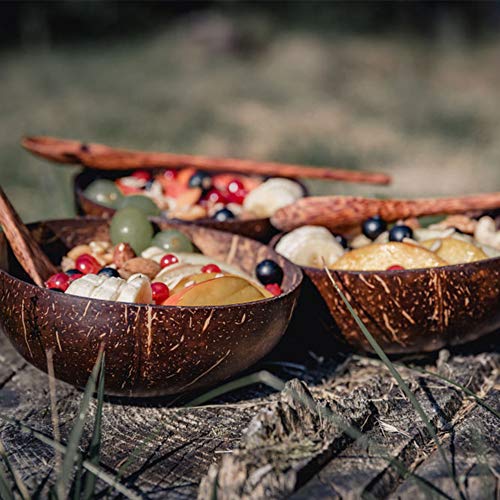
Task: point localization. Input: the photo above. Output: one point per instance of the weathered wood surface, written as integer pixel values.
(262, 444)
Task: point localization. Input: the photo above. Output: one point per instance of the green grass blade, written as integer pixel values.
(16, 478)
(75, 435)
(262, 377)
(402, 384)
(94, 451)
(94, 469)
(5, 488)
(76, 487)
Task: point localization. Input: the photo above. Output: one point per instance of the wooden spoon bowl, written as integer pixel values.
(257, 228)
(150, 350)
(411, 310)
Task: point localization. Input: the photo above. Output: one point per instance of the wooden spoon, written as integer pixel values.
(103, 157)
(344, 211)
(25, 247)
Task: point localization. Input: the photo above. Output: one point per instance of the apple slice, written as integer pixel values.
(380, 256)
(193, 279)
(455, 251)
(218, 292)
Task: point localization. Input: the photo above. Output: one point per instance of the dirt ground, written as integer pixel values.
(426, 112)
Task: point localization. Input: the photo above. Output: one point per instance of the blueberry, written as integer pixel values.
(110, 272)
(223, 215)
(201, 180)
(72, 272)
(269, 272)
(341, 240)
(399, 233)
(148, 184)
(374, 227)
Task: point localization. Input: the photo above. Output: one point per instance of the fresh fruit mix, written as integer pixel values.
(406, 245)
(189, 194)
(164, 268)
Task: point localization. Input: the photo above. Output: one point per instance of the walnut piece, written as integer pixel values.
(139, 265)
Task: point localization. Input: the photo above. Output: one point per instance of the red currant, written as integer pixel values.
(211, 268)
(160, 292)
(274, 288)
(214, 196)
(143, 175)
(59, 281)
(395, 267)
(237, 197)
(170, 174)
(168, 260)
(87, 264)
(235, 185)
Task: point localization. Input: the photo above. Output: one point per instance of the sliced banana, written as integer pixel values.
(270, 196)
(109, 289)
(137, 290)
(310, 246)
(84, 286)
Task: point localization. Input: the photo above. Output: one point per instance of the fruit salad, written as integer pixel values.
(138, 266)
(405, 245)
(189, 194)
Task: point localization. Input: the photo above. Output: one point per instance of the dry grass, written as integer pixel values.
(427, 113)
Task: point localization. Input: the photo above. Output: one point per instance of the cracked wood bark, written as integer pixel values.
(357, 468)
(399, 432)
(473, 447)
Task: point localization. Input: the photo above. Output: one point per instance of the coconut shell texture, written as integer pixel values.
(150, 350)
(257, 229)
(412, 310)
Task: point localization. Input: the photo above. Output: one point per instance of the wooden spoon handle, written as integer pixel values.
(25, 247)
(342, 211)
(102, 157)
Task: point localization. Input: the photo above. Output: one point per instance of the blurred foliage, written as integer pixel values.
(57, 21)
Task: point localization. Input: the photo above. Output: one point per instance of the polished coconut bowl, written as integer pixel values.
(411, 310)
(150, 350)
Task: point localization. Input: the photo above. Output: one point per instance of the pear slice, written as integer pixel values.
(219, 292)
(380, 256)
(455, 251)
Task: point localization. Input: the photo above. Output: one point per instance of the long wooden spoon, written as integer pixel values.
(25, 247)
(344, 211)
(103, 157)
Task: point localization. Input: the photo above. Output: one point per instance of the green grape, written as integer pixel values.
(172, 240)
(143, 203)
(130, 225)
(104, 192)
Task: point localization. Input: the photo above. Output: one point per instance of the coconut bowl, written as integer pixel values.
(413, 310)
(257, 228)
(150, 350)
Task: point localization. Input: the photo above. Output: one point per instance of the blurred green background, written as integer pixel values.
(406, 88)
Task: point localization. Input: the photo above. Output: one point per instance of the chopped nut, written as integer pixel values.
(122, 253)
(99, 247)
(67, 263)
(461, 222)
(139, 265)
